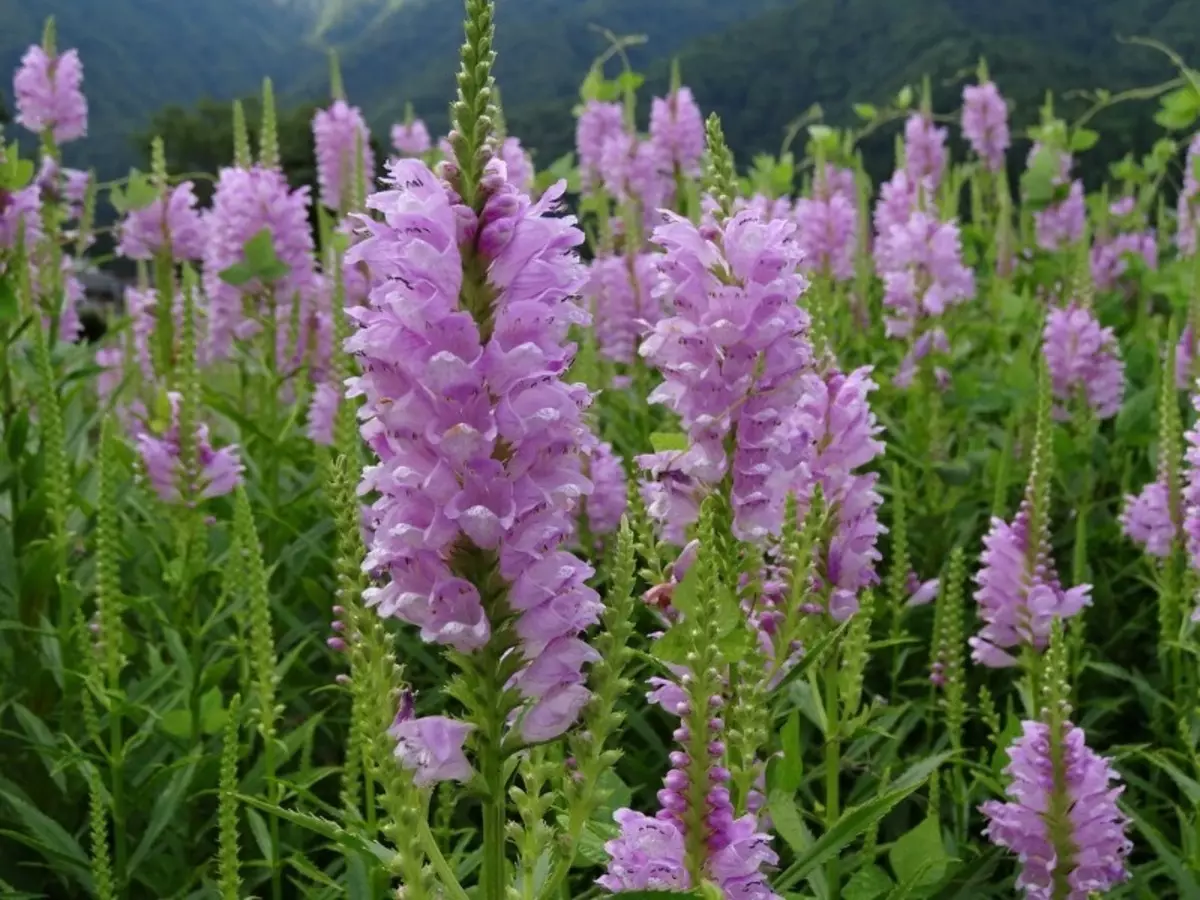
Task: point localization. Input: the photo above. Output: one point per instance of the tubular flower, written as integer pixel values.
(985, 123)
(634, 170)
(731, 356)
(245, 202)
(1185, 359)
(220, 471)
(1062, 822)
(479, 440)
(1018, 593)
(1083, 357)
(621, 296)
(677, 129)
(338, 134)
(170, 224)
(49, 94)
(836, 180)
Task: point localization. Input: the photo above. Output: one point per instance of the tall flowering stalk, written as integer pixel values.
(695, 839)
(343, 147)
(479, 444)
(1018, 591)
(1062, 821)
(985, 121)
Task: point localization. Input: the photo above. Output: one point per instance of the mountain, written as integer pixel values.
(762, 72)
(140, 55)
(544, 47)
(758, 63)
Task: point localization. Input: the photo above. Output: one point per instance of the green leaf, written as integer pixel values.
(867, 883)
(1084, 139)
(788, 822)
(45, 834)
(1179, 109)
(857, 819)
(9, 307)
(274, 271)
(259, 252)
(904, 99)
(140, 192)
(664, 441)
(790, 769)
(919, 858)
(212, 712)
(262, 837)
(166, 810)
(237, 274)
(629, 81)
(865, 111)
(1037, 183)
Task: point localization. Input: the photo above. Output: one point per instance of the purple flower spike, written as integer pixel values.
(1088, 843)
(49, 95)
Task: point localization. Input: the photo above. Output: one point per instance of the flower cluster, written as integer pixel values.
(1083, 357)
(924, 151)
(835, 417)
(1060, 224)
(621, 296)
(731, 356)
(170, 224)
(49, 96)
(1063, 818)
(1146, 519)
(677, 131)
(339, 134)
(219, 471)
(479, 440)
(827, 232)
(985, 123)
(245, 202)
(411, 138)
(1188, 203)
(1110, 261)
(1019, 594)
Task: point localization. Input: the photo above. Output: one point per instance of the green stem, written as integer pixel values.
(833, 761)
(440, 866)
(273, 820)
(116, 764)
(492, 770)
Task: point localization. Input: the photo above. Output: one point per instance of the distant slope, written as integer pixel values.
(544, 47)
(140, 55)
(760, 73)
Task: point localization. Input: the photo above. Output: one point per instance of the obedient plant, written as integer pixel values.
(414, 537)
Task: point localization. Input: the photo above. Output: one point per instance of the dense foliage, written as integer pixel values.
(756, 531)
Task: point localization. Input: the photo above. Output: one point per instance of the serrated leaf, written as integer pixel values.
(919, 858)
